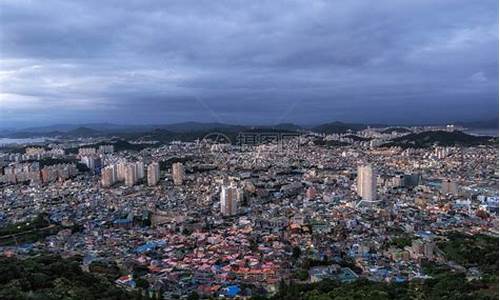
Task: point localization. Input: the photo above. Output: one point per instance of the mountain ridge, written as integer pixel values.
(98, 129)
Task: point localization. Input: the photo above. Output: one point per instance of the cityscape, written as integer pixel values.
(223, 150)
(237, 219)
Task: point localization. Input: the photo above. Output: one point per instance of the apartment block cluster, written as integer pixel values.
(37, 153)
(32, 172)
(102, 149)
(420, 249)
(130, 173)
(92, 157)
(127, 172)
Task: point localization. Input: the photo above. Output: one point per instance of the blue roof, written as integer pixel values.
(151, 245)
(131, 283)
(25, 247)
(347, 275)
(122, 221)
(233, 290)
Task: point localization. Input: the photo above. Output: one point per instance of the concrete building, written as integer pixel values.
(449, 187)
(230, 196)
(23, 172)
(34, 150)
(121, 171)
(153, 174)
(140, 169)
(429, 250)
(59, 171)
(109, 176)
(92, 162)
(131, 175)
(367, 183)
(106, 149)
(86, 151)
(178, 173)
(311, 193)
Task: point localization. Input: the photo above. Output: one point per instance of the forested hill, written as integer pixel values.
(52, 277)
(440, 138)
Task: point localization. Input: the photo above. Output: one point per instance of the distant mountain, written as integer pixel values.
(70, 127)
(161, 131)
(196, 126)
(439, 138)
(51, 128)
(285, 126)
(357, 138)
(338, 127)
(28, 134)
(99, 129)
(76, 132)
(83, 132)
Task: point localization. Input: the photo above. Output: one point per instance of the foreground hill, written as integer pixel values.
(439, 138)
(396, 129)
(52, 277)
(478, 251)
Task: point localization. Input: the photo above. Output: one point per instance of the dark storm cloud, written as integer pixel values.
(248, 61)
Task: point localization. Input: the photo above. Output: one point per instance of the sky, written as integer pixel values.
(247, 62)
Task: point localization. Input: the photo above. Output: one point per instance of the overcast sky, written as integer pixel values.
(247, 61)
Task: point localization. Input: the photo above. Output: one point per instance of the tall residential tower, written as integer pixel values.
(178, 173)
(230, 196)
(367, 183)
(153, 174)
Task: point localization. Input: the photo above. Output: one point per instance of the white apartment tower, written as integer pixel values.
(367, 183)
(230, 196)
(153, 174)
(109, 176)
(130, 175)
(140, 169)
(121, 171)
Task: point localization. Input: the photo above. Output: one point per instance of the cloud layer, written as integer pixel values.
(247, 61)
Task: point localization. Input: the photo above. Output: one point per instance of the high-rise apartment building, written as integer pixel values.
(121, 171)
(92, 162)
(140, 169)
(106, 149)
(153, 174)
(21, 172)
(230, 196)
(59, 171)
(178, 173)
(109, 176)
(367, 183)
(86, 151)
(34, 150)
(131, 175)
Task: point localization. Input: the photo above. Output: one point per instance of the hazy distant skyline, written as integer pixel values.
(245, 62)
